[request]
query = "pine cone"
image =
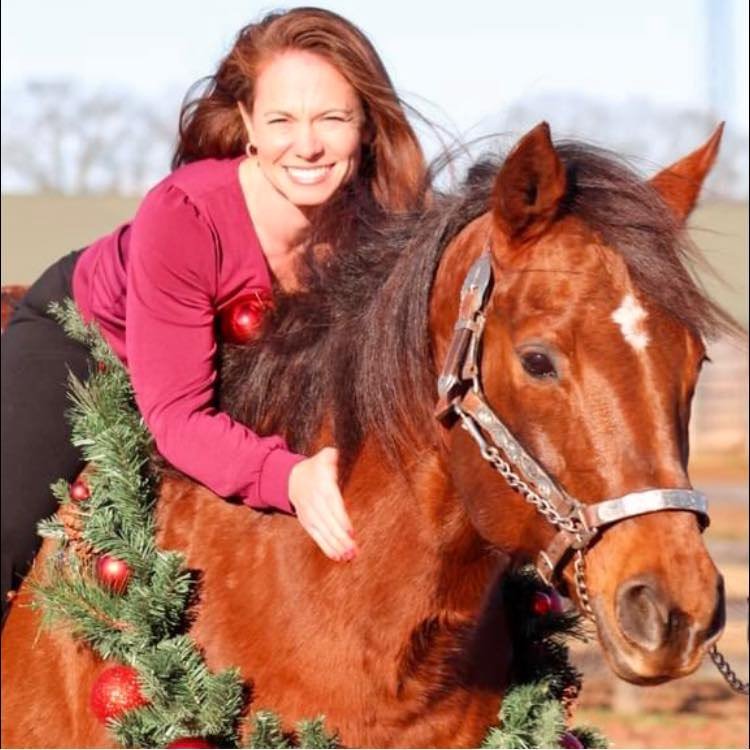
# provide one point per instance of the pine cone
(74, 522)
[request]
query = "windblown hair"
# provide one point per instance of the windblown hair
(392, 164)
(351, 353)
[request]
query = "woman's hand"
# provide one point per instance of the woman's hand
(315, 495)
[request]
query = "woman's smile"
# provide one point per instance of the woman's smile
(309, 175)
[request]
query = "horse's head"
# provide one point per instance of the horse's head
(590, 351)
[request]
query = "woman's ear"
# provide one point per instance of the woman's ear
(246, 121)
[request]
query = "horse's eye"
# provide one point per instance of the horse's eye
(538, 365)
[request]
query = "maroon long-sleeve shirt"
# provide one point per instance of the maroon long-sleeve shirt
(154, 287)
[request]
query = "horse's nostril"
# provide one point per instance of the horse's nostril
(641, 614)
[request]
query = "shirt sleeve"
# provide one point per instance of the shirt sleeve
(171, 350)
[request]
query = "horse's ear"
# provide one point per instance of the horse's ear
(680, 184)
(529, 186)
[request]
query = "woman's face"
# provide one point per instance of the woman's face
(307, 126)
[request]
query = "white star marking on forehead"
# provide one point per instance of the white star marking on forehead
(630, 316)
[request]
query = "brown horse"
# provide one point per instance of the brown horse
(591, 347)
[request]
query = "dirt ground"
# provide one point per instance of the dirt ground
(689, 713)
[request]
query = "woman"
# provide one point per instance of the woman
(299, 117)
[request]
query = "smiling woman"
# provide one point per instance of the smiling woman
(295, 134)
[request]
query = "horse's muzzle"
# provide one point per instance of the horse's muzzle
(652, 640)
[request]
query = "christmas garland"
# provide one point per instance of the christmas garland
(111, 585)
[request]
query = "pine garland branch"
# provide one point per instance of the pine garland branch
(534, 711)
(267, 731)
(312, 733)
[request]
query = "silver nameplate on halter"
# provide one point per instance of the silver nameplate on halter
(648, 501)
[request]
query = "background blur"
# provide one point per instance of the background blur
(90, 97)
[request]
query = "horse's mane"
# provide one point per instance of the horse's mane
(351, 353)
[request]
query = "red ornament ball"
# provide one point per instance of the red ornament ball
(547, 601)
(113, 573)
(240, 322)
(569, 740)
(115, 691)
(79, 491)
(541, 604)
(190, 742)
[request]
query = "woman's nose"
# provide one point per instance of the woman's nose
(307, 143)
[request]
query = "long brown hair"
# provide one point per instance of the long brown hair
(211, 127)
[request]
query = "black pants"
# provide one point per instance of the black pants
(36, 447)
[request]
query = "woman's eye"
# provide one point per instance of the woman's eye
(538, 365)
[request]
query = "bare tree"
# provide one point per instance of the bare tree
(61, 138)
(64, 138)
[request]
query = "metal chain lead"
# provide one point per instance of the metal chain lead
(579, 567)
(565, 523)
(727, 672)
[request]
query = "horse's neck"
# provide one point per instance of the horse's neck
(427, 579)
(421, 532)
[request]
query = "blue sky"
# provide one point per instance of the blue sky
(461, 62)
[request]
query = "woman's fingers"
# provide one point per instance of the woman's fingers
(332, 546)
(314, 492)
(339, 514)
(319, 538)
(335, 534)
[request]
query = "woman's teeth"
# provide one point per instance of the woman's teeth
(308, 175)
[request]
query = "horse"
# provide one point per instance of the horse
(552, 289)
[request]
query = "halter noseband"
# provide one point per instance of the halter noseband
(577, 524)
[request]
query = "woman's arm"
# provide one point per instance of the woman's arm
(173, 276)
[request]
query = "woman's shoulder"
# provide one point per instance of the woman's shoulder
(207, 191)
(199, 179)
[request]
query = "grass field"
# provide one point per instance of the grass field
(36, 230)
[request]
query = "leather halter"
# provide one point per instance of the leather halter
(460, 393)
